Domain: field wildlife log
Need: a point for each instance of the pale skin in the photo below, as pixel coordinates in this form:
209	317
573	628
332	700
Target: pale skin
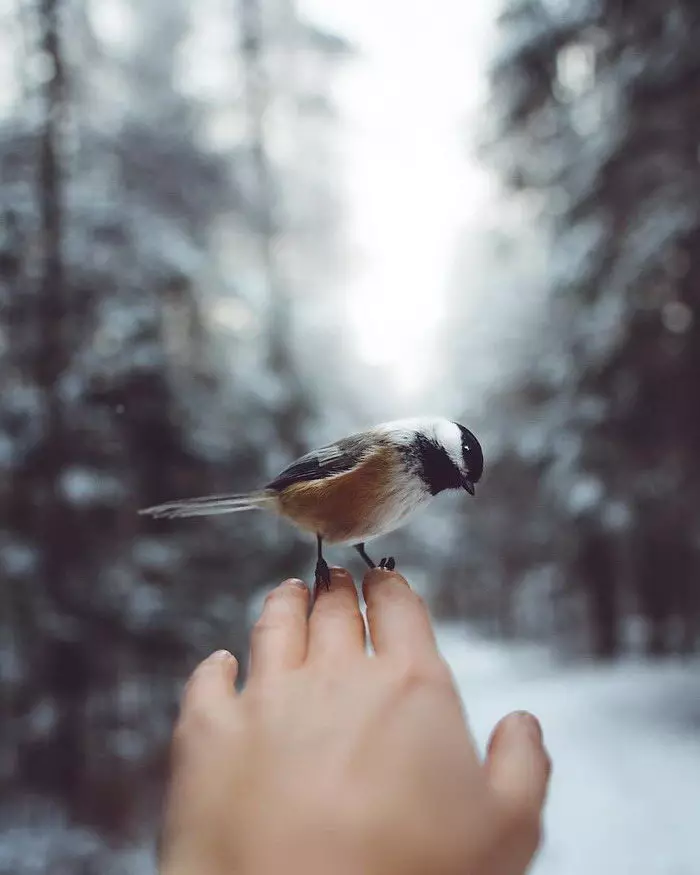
335	762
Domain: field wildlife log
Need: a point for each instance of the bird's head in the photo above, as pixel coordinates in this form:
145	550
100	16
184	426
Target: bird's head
470	459
449	456
464	451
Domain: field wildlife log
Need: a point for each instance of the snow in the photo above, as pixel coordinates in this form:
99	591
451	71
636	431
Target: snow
624	740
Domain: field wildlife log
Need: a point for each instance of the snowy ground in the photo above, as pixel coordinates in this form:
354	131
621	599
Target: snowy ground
625	741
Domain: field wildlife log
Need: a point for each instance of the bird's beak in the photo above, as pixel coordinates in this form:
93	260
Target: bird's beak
468	485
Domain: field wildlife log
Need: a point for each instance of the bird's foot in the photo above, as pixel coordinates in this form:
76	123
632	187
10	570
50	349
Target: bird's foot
388	562
323	574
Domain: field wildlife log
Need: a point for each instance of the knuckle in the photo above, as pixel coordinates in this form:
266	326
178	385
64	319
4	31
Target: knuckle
194	721
272	598
422	682
429	670
272	615
413	676
198	728
418	606
200	715
410	599
263	627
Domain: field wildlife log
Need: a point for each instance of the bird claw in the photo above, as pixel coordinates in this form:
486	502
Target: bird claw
323	574
389	563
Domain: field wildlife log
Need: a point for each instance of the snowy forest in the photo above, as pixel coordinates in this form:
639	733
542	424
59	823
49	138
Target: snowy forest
594	492
175	271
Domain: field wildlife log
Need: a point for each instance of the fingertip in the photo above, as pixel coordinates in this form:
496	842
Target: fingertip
217	661
518	763
336	627
398	617
341	577
523	723
377	576
279	636
339	571
214	676
284	597
295	584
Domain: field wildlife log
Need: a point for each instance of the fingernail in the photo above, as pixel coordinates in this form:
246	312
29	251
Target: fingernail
221	656
530	724
295	582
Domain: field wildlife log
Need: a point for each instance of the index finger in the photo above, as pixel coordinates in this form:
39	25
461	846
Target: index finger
398	620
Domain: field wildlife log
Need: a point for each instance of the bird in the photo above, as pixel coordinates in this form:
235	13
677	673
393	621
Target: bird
358	488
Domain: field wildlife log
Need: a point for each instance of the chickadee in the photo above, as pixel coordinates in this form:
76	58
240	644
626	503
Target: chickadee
360	487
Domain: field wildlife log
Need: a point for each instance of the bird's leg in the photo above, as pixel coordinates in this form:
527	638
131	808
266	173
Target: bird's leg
323	572
389	563
361	550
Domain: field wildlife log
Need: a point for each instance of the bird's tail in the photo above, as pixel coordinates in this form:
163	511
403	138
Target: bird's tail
210	505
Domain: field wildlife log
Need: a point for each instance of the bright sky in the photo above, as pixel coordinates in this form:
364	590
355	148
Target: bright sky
410	185
411	189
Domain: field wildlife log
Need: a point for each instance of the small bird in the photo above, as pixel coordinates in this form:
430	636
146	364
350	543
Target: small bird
359	488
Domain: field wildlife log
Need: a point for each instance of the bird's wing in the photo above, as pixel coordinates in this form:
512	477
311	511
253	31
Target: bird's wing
335	458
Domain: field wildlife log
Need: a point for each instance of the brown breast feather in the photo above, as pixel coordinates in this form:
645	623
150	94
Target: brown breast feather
341	507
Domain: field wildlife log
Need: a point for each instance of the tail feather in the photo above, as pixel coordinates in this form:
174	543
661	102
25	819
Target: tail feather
208	505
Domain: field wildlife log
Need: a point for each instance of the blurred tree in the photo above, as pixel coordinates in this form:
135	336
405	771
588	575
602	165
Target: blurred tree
120	390
294	403
596	122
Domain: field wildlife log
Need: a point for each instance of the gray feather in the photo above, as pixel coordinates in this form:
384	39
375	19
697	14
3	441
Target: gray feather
208	505
337	458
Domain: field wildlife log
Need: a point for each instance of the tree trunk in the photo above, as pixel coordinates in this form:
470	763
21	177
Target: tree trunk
293	409
596	567
63	667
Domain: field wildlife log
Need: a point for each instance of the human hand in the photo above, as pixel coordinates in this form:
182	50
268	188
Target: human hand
338	762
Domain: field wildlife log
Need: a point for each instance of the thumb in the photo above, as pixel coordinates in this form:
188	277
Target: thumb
518	765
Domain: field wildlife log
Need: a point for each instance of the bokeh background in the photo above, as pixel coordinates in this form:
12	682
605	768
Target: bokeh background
235	229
